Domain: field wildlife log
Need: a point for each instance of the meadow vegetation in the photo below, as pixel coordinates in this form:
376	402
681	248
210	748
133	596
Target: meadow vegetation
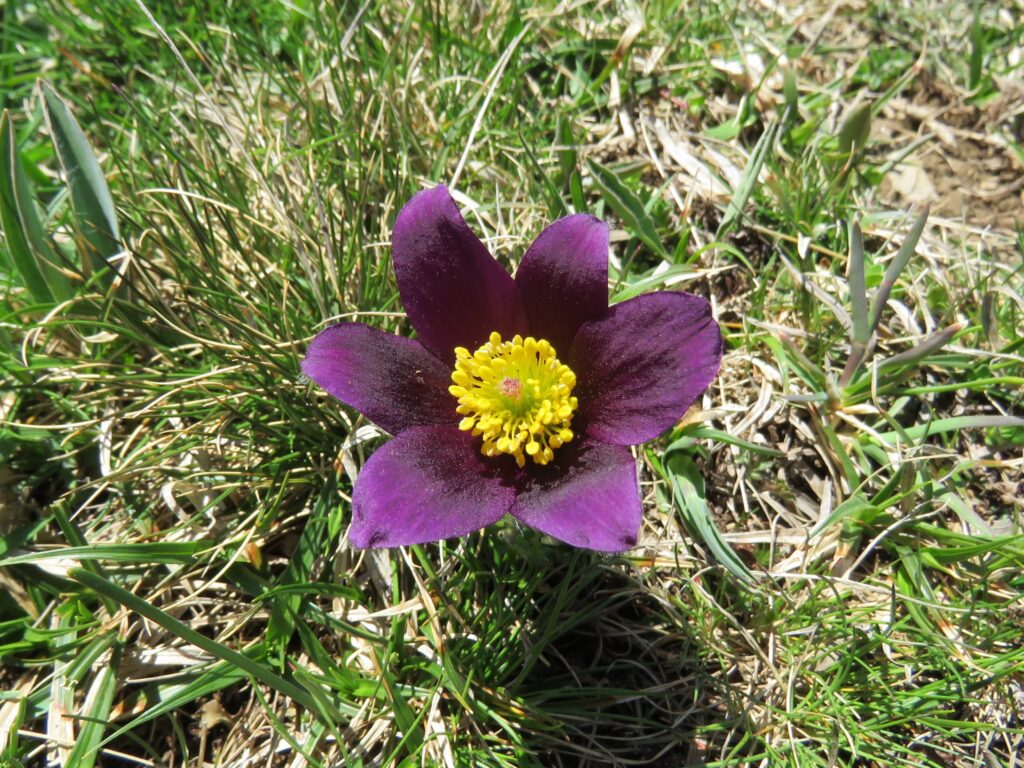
831	566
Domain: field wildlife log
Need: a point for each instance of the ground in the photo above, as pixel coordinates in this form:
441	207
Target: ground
829	567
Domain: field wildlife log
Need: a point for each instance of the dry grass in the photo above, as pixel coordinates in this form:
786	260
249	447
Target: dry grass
184	466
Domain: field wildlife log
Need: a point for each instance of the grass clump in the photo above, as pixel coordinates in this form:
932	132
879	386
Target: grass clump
829	570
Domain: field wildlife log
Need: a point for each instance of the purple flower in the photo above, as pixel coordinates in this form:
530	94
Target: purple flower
519	396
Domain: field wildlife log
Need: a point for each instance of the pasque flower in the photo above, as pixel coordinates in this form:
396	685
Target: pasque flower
519	396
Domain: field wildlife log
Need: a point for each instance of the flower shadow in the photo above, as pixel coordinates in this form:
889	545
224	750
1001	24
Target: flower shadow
594	662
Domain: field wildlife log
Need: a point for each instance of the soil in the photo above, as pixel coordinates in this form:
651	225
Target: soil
967	170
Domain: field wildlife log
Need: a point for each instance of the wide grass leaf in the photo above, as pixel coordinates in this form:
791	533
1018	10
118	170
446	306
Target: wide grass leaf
149	552
745	188
899	262
95	714
627	206
689	497
93	205
951	424
32	254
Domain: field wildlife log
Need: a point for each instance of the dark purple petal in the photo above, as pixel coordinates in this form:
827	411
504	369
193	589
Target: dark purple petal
643	364
394	381
588	497
453	290
563	278
429	483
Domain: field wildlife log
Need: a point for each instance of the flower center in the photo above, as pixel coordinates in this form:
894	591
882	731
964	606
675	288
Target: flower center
516	395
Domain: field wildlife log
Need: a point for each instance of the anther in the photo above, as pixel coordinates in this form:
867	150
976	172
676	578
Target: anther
516	396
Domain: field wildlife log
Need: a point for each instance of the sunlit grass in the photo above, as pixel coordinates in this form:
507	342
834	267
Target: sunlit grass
830	564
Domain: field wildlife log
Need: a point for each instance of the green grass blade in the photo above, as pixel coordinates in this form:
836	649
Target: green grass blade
32	254
182	630
748	181
856	128
818	292
952	424
688	494
860	333
316	731
854	506
93	205
149	552
916	354
691	434
966	514
567	156
171	698
627	206
87	657
896	267
96	713
313	544
858	289
977	59
652	282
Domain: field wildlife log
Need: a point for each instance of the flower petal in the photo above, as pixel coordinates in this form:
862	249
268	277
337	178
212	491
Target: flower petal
429	483
563	278
453	290
643	364
394	381
588	497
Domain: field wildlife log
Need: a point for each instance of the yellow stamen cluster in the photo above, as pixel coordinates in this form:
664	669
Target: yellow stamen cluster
516	395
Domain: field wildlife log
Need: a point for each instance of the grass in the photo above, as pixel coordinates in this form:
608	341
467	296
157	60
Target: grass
829	570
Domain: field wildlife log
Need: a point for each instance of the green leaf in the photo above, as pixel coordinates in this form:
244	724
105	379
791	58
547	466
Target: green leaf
916	354
556	203
88	657
408	722
747	182
32	253
691	434
579	200
977	58
150	552
313	544
627	206
688	494
285	731
96	715
185	632
856	506
849	470
858	289
912	582
896	266
93	206
733	127
942	426
654	280
173	697
966	514
566	153
790	92
860	332
856	128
